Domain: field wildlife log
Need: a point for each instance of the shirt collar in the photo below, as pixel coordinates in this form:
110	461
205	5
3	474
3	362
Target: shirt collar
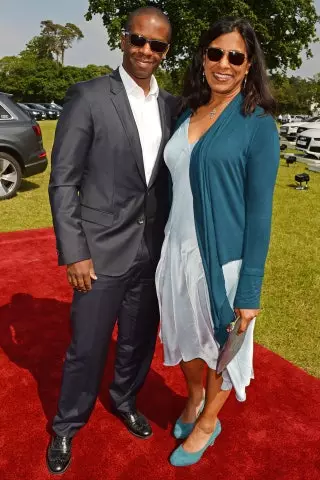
132	87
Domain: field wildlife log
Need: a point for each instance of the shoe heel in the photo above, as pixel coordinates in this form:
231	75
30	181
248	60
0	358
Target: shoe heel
182	430
216	433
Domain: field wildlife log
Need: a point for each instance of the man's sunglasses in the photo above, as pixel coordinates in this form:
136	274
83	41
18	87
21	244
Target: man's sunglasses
215	54
139	41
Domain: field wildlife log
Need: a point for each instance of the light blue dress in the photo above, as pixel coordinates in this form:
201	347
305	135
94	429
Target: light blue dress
186	328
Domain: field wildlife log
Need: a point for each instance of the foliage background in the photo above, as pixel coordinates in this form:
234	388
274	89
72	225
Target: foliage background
284	27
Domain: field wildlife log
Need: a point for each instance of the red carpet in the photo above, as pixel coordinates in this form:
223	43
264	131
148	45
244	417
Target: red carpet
274	435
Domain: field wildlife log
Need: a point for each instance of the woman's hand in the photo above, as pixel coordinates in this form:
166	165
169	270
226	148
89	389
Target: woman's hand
246	315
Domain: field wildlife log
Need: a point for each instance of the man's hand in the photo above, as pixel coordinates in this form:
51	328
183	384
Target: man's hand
246	315
80	275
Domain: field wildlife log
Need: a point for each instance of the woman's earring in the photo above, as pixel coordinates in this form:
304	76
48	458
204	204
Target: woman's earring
245	82
203	77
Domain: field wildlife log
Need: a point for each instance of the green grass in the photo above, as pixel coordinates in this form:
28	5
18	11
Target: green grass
289	323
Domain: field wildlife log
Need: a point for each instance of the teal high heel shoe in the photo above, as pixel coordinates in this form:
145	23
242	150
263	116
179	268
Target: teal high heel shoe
182	430
181	458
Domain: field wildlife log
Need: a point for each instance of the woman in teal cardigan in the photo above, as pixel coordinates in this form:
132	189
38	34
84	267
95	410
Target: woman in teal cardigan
223	159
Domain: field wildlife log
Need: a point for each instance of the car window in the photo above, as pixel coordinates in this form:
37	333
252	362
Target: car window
38	107
23	106
314	119
4	115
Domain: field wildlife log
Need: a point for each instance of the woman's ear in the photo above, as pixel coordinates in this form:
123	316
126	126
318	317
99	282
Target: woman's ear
204	58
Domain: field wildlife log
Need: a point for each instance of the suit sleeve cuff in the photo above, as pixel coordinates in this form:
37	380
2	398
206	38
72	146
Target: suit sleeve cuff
65	258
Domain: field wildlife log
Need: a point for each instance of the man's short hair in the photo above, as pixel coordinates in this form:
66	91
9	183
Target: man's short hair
156	12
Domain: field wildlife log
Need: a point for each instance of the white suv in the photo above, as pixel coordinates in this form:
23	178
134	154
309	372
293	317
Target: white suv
290	130
310	124
309	142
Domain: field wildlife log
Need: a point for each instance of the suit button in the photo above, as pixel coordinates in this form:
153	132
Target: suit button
140	221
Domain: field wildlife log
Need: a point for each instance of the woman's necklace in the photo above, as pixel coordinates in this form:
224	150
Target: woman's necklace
213	112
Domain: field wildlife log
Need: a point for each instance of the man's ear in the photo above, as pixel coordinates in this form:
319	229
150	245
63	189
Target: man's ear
165	53
122	42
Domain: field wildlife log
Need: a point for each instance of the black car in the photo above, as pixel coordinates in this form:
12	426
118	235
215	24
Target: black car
21	149
50	113
32	113
52	107
38	108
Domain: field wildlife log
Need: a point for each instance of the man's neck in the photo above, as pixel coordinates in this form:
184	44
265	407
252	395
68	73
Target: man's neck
143	83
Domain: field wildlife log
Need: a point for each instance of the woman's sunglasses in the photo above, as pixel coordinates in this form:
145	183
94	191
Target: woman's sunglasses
215	54
139	41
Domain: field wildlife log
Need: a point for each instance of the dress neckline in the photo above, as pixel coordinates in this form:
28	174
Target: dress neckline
218	121
187	123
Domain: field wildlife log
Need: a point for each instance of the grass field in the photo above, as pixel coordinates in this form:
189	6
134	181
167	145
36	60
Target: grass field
289	323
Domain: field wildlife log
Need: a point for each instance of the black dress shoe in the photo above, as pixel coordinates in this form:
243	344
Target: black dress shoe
59	454
136	423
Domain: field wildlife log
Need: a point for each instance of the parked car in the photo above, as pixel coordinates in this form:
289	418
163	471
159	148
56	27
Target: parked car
310	124
42	115
21	148
55	105
296	118
290	130
36	107
309	142
50	113
32	113
50	107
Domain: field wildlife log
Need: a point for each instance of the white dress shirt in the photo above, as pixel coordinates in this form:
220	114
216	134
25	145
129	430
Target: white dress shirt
145	110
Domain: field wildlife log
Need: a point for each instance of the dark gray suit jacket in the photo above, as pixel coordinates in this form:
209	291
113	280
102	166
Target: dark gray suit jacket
101	205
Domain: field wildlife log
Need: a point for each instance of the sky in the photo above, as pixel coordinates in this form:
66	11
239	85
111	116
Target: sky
20	21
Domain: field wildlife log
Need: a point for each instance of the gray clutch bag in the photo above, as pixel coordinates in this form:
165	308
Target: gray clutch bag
232	345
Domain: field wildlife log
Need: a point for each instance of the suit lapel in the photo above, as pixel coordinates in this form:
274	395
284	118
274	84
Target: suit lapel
165	119
122	105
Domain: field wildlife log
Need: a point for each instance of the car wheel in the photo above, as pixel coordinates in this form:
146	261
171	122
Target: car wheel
10	176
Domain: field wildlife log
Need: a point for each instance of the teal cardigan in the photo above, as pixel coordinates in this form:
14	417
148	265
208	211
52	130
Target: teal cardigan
233	170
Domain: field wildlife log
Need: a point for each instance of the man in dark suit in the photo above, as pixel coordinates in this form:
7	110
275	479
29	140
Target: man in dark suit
109	201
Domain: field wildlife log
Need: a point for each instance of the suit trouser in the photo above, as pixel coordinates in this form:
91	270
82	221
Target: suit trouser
131	299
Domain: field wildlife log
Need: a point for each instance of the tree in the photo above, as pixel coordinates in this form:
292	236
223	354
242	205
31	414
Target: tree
295	94
284	27
31	79
170	81
39	46
37	74
54	40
